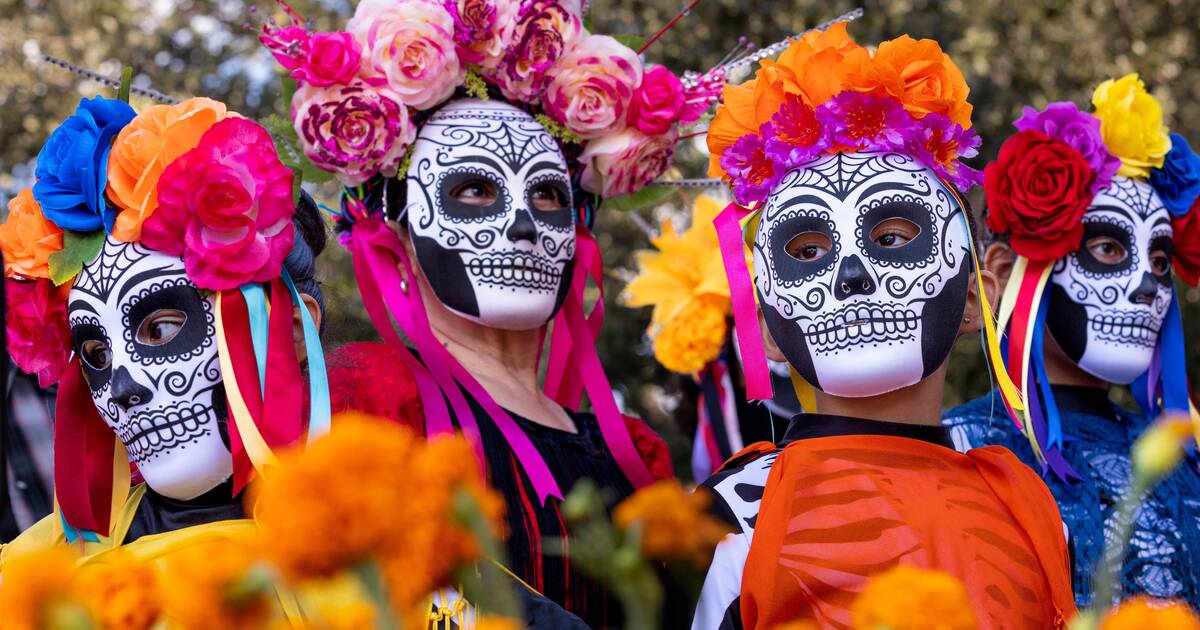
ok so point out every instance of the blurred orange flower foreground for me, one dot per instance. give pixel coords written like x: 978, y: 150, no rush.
x: 910, y: 598
x: 1141, y: 613
x: 673, y: 521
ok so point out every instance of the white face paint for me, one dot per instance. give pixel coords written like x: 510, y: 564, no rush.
x: 147, y: 343
x: 489, y: 211
x: 861, y: 264
x: 1109, y: 299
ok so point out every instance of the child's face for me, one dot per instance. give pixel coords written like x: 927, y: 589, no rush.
x: 862, y: 263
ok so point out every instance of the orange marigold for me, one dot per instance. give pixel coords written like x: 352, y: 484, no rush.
x: 1143, y: 612
x: 120, y: 592
x: 922, y: 78
x: 28, y: 238
x: 813, y: 61
x: 910, y: 598
x: 144, y: 148
x: 797, y: 625
x: 207, y: 586
x: 32, y: 585
x: 673, y: 521
x: 693, y: 336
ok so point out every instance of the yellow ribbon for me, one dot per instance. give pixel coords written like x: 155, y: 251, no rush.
x: 992, y: 338
x: 1026, y: 353
x: 256, y: 447
x: 804, y: 391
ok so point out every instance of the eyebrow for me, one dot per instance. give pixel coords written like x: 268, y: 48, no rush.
x: 1161, y: 221
x: 137, y: 279
x: 478, y: 158
x: 795, y: 201
x: 81, y: 305
x: 890, y: 186
x: 1117, y: 209
x: 547, y: 165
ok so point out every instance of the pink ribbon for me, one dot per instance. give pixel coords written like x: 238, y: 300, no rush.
x: 741, y: 295
x: 564, y: 382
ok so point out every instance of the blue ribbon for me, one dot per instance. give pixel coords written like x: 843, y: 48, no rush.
x: 72, y: 533
x: 1173, y: 374
x: 1038, y: 357
x: 256, y: 306
x: 318, y: 380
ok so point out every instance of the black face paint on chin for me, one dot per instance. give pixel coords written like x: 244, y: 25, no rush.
x: 182, y: 297
x: 794, y: 347
x: 937, y: 331
x: 446, y: 274
x: 1067, y: 323
x: 220, y: 403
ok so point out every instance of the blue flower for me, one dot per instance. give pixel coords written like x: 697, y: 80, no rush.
x: 72, y: 167
x: 1178, y: 181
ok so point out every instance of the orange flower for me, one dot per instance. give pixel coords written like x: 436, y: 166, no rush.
x: 673, y: 521
x: 144, y: 148
x: 735, y: 118
x: 911, y: 598
x: 210, y: 585
x: 1145, y: 612
x: 32, y: 585
x: 119, y: 592
x: 923, y: 78
x: 813, y: 61
x: 28, y: 238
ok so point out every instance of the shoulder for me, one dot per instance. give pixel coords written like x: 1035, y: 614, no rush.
x: 982, y: 422
x: 372, y: 378
x: 737, y: 489
x: 41, y: 535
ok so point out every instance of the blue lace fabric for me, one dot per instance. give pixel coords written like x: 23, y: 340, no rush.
x: 1097, y: 437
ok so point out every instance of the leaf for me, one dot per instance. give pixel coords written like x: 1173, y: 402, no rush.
x: 126, y: 83
x: 79, y: 248
x: 631, y: 41
x: 647, y: 197
x: 287, y: 89
x: 297, y: 180
x: 281, y: 127
x: 312, y: 172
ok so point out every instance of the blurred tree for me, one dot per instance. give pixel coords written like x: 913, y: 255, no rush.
x: 1013, y: 52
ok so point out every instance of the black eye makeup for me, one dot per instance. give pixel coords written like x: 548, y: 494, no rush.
x: 801, y: 246
x: 1162, y: 251
x: 549, y: 199
x: 897, y: 231
x: 94, y: 350
x: 472, y: 194
x: 1106, y: 247
x: 166, y: 323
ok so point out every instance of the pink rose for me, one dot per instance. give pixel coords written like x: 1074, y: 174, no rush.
x: 623, y: 163
x: 226, y: 206
x: 658, y: 102
x: 591, y: 86
x: 353, y: 131
x: 39, y: 339
x: 288, y: 44
x: 409, y: 43
x: 482, y: 28
x: 545, y: 30
x: 332, y: 58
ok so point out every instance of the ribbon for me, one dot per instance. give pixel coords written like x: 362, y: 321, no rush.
x: 1051, y: 420
x: 258, y: 312
x: 85, y: 482
x: 235, y: 349
x: 282, y: 420
x: 319, y: 412
x: 741, y: 294
x: 564, y: 383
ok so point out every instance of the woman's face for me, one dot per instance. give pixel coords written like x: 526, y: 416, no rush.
x: 146, y: 341
x: 490, y: 215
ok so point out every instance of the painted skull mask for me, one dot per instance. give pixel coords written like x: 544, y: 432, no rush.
x: 862, y: 263
x: 146, y: 341
x: 489, y: 213
x: 1108, y: 300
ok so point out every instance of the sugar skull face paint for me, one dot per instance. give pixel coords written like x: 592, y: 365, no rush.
x: 490, y: 216
x: 861, y: 265
x: 1109, y: 299
x: 147, y: 343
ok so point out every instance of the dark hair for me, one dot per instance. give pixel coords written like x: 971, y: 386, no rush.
x: 308, y: 243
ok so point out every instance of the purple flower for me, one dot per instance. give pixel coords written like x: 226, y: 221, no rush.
x: 939, y: 143
x: 1178, y: 181
x: 861, y: 122
x: 752, y: 170
x: 1078, y: 130
x: 794, y: 135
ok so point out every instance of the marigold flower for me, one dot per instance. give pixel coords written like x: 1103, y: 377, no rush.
x: 32, y: 584
x: 1131, y: 122
x: 694, y: 337
x: 27, y: 238
x: 120, y: 592
x: 923, y: 78
x: 911, y: 598
x: 1143, y: 612
x: 674, y: 524
x: 1160, y: 449
x: 201, y: 587
x: 498, y: 623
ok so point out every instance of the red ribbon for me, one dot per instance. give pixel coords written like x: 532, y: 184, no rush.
x: 83, y: 455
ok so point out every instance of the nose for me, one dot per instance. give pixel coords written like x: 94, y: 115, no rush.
x: 852, y: 279
x: 126, y: 392
x: 1146, y: 290
x: 522, y: 228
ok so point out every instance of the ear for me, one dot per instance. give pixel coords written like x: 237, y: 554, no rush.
x: 972, y: 320
x: 998, y: 259
x: 314, y: 311
x: 770, y: 348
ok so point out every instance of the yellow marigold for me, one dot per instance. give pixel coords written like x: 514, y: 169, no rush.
x: 693, y: 337
x: 1141, y: 613
x: 27, y: 238
x: 910, y: 598
x: 31, y: 586
x: 211, y: 585
x: 120, y: 592
x: 674, y: 522
x: 1160, y: 449
x: 1131, y: 123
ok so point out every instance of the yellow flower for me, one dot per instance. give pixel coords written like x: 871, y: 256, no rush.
x: 119, y: 592
x: 1159, y: 450
x: 1131, y: 123
x: 212, y: 585
x: 686, y: 266
x: 1140, y: 613
x: 674, y: 522
x: 909, y: 598
x: 694, y: 336
x: 498, y: 623
x: 32, y: 585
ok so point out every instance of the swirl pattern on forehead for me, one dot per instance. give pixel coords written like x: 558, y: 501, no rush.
x: 843, y: 174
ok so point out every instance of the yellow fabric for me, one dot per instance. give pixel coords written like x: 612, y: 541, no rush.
x: 48, y: 532
x: 804, y: 391
x: 256, y: 447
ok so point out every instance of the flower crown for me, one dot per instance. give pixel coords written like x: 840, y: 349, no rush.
x: 359, y: 89
x: 827, y: 94
x: 1049, y: 172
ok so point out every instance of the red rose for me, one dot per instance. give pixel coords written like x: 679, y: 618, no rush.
x: 39, y: 340
x: 651, y: 447
x: 1186, y: 245
x: 1037, y: 191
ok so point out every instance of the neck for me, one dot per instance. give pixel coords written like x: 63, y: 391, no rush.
x: 916, y: 404
x: 1061, y: 370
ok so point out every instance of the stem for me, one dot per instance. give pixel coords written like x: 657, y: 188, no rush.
x: 485, y: 585
x: 126, y: 83
x: 679, y: 16
x: 369, y: 576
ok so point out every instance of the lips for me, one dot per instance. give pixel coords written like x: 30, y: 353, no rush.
x: 860, y: 324
x: 150, y: 433
x: 516, y: 270
x: 1126, y: 328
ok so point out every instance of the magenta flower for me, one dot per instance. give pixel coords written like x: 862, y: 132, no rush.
x: 545, y: 31
x: 658, y: 102
x: 288, y: 44
x: 226, y: 206
x: 1078, y: 130
x: 753, y: 172
x: 352, y: 131
x: 862, y: 122
x: 939, y: 143
x: 481, y: 28
x: 795, y: 135
x: 330, y: 58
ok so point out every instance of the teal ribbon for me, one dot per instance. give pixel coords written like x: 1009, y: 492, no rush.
x: 256, y: 306
x: 318, y: 378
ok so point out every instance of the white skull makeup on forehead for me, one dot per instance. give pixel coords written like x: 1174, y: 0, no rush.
x: 490, y: 216
x: 147, y: 344
x: 861, y: 264
x: 1108, y: 300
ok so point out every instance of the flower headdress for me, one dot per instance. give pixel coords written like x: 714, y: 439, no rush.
x: 1038, y: 190
x: 192, y: 180
x: 827, y: 94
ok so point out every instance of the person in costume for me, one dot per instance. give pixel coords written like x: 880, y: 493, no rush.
x: 474, y: 140
x: 145, y: 295
x: 1091, y: 306
x: 864, y: 270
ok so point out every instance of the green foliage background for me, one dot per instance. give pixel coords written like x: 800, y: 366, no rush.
x: 1013, y: 52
